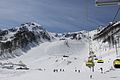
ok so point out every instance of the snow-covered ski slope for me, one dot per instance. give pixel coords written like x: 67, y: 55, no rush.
x: 51, y: 51
x: 44, y: 59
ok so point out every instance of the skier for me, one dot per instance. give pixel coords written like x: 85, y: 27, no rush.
x: 60, y: 70
x: 101, y: 70
x: 79, y: 71
x: 90, y: 76
x: 75, y: 70
x: 54, y: 70
x: 63, y: 70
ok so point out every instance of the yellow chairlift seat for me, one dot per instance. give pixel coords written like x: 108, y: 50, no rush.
x: 100, y: 61
x: 90, y: 63
x: 96, y: 58
x: 116, y: 63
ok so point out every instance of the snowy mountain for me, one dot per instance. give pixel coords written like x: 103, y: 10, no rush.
x: 60, y: 56
x: 15, y: 41
x: 71, y: 35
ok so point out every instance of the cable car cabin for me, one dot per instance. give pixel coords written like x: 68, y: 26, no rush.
x: 116, y: 63
x: 100, y: 61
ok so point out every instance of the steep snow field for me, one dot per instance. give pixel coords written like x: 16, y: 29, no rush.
x: 45, y: 58
x: 49, y: 52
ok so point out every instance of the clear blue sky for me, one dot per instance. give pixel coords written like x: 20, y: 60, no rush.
x: 56, y: 15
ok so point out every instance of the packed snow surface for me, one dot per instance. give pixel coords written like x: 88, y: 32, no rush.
x: 63, y: 60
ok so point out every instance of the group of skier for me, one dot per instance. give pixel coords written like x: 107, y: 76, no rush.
x: 58, y: 70
x: 77, y: 70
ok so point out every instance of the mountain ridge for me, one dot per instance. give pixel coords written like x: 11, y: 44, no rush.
x: 25, y: 37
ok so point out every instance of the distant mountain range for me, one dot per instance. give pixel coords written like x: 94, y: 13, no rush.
x: 14, y: 41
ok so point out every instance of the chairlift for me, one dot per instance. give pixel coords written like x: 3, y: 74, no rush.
x: 90, y: 63
x: 100, y: 61
x: 96, y: 59
x: 116, y: 63
x: 107, y: 2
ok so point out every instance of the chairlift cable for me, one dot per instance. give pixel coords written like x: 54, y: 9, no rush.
x: 116, y: 14
x: 86, y: 15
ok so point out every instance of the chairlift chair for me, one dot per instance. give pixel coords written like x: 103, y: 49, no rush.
x: 116, y: 63
x: 100, y: 61
x: 96, y: 59
x: 107, y: 2
x: 90, y: 63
